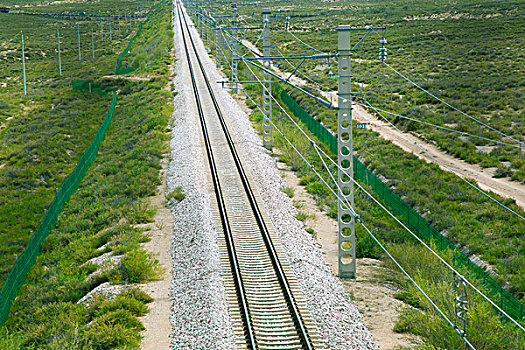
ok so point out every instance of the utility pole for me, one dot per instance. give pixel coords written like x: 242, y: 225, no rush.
x: 23, y: 63
x: 217, y: 48
x: 110, y: 37
x: 234, y: 77
x: 78, y: 36
x: 59, y: 58
x: 101, y: 31
x: 345, y: 216
x: 267, y: 85
x: 92, y: 42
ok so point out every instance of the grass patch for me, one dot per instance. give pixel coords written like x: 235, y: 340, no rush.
x: 176, y: 195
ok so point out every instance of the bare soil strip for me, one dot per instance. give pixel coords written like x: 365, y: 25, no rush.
x: 157, y: 321
x: 374, y: 298
x: 409, y: 143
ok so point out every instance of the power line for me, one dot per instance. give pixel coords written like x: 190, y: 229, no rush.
x: 450, y: 106
x: 448, y: 168
x: 383, y: 208
x: 302, y: 42
x: 440, y: 127
x: 358, y: 219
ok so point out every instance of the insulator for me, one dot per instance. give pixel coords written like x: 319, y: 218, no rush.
x: 382, y: 41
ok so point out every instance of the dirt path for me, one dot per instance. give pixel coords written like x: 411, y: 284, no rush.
x: 373, y: 297
x: 409, y: 143
x: 157, y: 321
x: 425, y: 150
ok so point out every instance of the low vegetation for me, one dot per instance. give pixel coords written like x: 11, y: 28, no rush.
x: 100, y: 219
x: 463, y: 215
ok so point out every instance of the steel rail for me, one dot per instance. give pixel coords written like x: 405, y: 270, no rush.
x: 243, y: 303
x: 283, y: 281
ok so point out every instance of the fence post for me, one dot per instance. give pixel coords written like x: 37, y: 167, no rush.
x: 92, y: 42
x: 78, y: 36
x: 346, y: 219
x: 23, y: 63
x: 267, y: 85
x: 59, y: 58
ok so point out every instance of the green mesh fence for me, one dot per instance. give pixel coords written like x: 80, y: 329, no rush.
x: 118, y: 69
x: 23, y: 264
x: 87, y: 85
x: 409, y: 216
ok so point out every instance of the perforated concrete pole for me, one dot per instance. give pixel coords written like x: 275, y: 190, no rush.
x: 267, y: 97
x: 346, y: 220
x: 218, y: 45
x: 234, y: 76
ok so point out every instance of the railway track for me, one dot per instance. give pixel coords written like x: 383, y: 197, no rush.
x: 266, y: 307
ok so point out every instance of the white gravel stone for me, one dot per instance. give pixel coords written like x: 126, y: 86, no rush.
x: 199, y: 311
x: 199, y: 314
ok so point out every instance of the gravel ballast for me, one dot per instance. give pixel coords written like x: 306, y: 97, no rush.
x: 199, y: 310
x: 199, y: 313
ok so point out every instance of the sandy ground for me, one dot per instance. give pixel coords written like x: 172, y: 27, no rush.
x: 373, y: 297
x: 425, y: 150
x: 157, y: 322
x: 432, y: 154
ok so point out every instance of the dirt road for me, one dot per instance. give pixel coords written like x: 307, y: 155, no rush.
x: 427, y: 151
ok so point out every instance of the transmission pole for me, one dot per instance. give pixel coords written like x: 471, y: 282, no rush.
x: 59, y: 58
x: 78, y: 35
x: 23, y: 63
x: 234, y: 77
x: 346, y: 220
x: 267, y: 85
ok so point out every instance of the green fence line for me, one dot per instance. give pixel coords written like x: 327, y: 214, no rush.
x: 87, y: 85
x: 415, y: 222
x: 23, y: 264
x: 118, y: 68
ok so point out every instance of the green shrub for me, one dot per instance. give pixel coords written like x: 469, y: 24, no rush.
x: 176, y: 194
x: 137, y: 266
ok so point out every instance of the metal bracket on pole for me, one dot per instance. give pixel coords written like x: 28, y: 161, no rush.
x: 234, y: 76
x: 346, y: 220
x: 267, y: 85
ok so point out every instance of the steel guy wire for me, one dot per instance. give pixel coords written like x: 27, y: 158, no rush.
x: 13, y: 39
x: 450, y: 106
x: 444, y: 128
x: 447, y: 167
x: 420, y: 240
x: 386, y: 210
x: 358, y: 219
x: 434, y: 125
x: 303, y: 75
x: 461, y: 334
x: 305, y: 44
x: 240, y: 42
x: 318, y: 99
